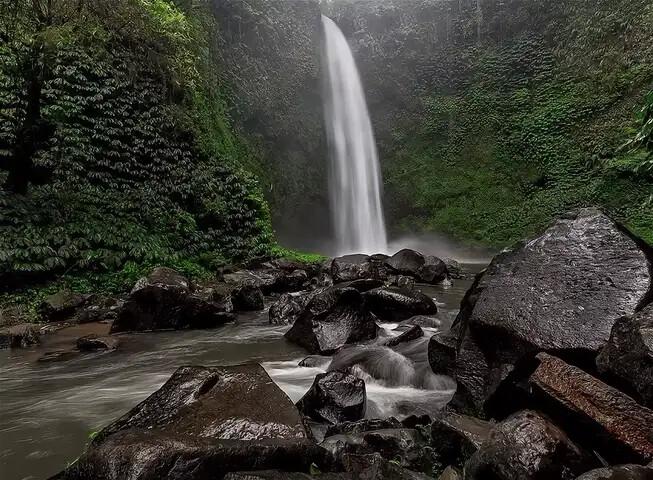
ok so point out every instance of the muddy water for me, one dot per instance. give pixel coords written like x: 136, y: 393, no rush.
x: 48, y: 410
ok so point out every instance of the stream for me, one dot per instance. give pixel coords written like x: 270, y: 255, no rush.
x: 48, y: 410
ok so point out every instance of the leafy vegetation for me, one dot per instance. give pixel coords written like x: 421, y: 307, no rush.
x: 117, y: 149
x: 491, y: 122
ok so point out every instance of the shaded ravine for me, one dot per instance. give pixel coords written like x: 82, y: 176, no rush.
x: 48, y: 411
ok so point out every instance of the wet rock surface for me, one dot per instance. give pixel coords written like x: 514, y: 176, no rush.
x: 397, y: 304
x: 609, y: 420
x: 94, y: 343
x: 456, y: 437
x: 61, y: 305
x: 166, y: 300
x: 561, y: 292
x: 202, y: 423
x: 526, y: 446
x: 627, y: 359
x: 248, y: 297
x: 334, y: 397
x: 409, y: 335
x: 332, y: 319
x: 620, y: 472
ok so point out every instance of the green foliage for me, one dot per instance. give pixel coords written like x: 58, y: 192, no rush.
x: 302, y: 257
x: 143, y: 167
x: 496, y: 126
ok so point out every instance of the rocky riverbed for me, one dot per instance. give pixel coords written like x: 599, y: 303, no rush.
x: 358, y: 368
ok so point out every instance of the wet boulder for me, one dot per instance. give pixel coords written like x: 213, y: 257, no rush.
x: 421, y: 321
x: 365, y: 284
x: 451, y: 473
x: 560, y: 292
x: 315, y: 361
x: 397, y: 304
x: 248, y: 297
x: 527, y: 445
x: 285, y: 310
x: 269, y: 280
x: 406, y: 262
x: 331, y: 319
x: 165, y: 300
x: 376, y: 467
x: 610, y: 421
x: 620, y: 472
x: 350, y: 267
x: 19, y: 336
x: 334, y: 397
x: 413, y: 333
x: 456, y: 437
x: 454, y: 268
x: 362, y: 426
x: 627, y: 359
x: 200, y: 425
x: 433, y: 271
x: 62, y: 305
x: 94, y: 343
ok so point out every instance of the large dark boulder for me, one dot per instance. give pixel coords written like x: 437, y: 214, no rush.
x: 166, y: 300
x: 285, y: 310
x: 627, y: 359
x: 433, y: 271
x: 201, y: 424
x: 333, y: 318
x: 397, y: 304
x: 527, y: 446
x: 351, y: 267
x: 456, y: 437
x: 248, y: 297
x: 620, y: 472
x: 19, y: 336
x: 561, y: 292
x: 269, y: 280
x: 334, y: 397
x: 406, y: 262
x: 611, y: 422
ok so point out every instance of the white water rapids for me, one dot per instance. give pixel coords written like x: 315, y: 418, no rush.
x: 355, y: 178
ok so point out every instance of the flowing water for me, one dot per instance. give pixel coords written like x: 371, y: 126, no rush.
x: 47, y: 411
x: 355, y: 179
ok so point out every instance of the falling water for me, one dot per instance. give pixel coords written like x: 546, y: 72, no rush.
x: 355, y: 180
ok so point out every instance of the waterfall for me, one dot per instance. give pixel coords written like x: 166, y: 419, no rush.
x: 355, y: 179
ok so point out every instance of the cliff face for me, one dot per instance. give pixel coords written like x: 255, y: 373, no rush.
x: 270, y: 52
x: 493, y: 116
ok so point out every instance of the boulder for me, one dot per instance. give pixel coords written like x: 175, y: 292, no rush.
x: 406, y: 262
x: 376, y: 467
x: 421, y: 321
x: 334, y: 397
x: 350, y: 267
x: 93, y: 343
x: 605, y: 418
x: 454, y: 268
x: 361, y: 426
x: 413, y: 333
x: 289, y: 306
x: 456, y: 437
x: 19, y: 336
x: 401, y: 281
x: 561, y: 292
x: 619, y: 472
x: 627, y: 359
x: 432, y: 271
x: 333, y: 318
x: 451, y: 473
x: 248, y: 297
x: 397, y: 304
x: 315, y: 361
x: 165, y: 300
x: 200, y: 425
x: 62, y: 305
x: 525, y: 446
x: 269, y: 280
x: 365, y: 284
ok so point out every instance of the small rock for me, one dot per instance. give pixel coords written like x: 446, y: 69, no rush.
x: 409, y: 335
x: 620, y: 472
x: 93, y: 343
x: 335, y: 397
x: 527, y: 446
x: 451, y: 473
x: 433, y: 271
x: 454, y: 268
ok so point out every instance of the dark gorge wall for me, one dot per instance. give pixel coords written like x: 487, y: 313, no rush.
x: 494, y: 116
